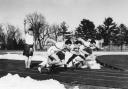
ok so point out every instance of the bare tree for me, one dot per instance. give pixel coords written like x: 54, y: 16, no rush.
x: 44, y: 35
x: 36, y: 21
x: 2, y: 36
x: 63, y: 28
x: 9, y: 35
x: 18, y: 34
x: 54, y: 31
x: 11, y: 30
x: 13, y: 35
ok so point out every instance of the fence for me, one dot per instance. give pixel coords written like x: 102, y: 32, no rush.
x: 116, y: 47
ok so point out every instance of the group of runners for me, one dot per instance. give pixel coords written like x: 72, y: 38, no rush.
x: 66, y: 53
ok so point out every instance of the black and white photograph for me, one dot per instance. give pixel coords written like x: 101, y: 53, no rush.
x: 64, y: 44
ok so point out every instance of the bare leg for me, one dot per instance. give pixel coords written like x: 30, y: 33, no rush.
x: 29, y: 62
x: 71, y: 58
x: 30, y: 57
x: 26, y: 62
x: 55, y: 61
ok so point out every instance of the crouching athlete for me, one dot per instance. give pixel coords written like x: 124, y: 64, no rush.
x: 56, y: 55
x: 76, y: 55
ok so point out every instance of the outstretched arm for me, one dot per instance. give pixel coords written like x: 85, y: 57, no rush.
x: 83, y: 41
x: 34, y: 44
x: 51, y: 40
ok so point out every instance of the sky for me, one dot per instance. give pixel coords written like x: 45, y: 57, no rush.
x: 70, y: 11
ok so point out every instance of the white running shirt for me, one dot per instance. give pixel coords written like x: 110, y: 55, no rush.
x: 87, y: 44
x: 29, y: 39
x: 53, y: 49
x: 60, y: 45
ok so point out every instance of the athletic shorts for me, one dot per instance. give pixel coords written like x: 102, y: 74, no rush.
x: 27, y: 52
x: 52, y: 50
x: 61, y: 55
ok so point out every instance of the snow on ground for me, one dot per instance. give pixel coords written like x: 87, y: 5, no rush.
x: 17, y: 82
x: 21, y: 57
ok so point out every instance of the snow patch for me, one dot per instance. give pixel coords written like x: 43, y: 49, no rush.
x: 17, y: 82
x: 22, y: 57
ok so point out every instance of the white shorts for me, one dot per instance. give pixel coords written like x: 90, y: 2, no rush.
x: 52, y: 50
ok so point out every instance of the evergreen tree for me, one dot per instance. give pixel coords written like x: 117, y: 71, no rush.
x: 86, y: 30
x: 107, y: 30
x: 123, y: 31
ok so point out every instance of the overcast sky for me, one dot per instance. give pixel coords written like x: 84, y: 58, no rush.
x: 71, y: 11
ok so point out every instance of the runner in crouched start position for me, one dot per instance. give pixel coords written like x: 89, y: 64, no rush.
x: 80, y: 52
x: 56, y: 54
x: 28, y: 47
x: 76, y: 54
x: 87, y: 51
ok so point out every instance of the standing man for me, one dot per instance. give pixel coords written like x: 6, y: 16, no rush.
x: 28, y: 47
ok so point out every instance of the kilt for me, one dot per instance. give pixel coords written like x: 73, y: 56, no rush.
x: 27, y: 50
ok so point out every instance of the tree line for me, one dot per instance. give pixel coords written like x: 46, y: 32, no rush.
x: 109, y: 31
x: 11, y: 37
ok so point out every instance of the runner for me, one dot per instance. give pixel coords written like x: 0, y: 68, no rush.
x: 87, y: 51
x: 56, y: 54
x: 85, y: 48
x: 75, y: 53
x: 91, y: 61
x: 28, y: 47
